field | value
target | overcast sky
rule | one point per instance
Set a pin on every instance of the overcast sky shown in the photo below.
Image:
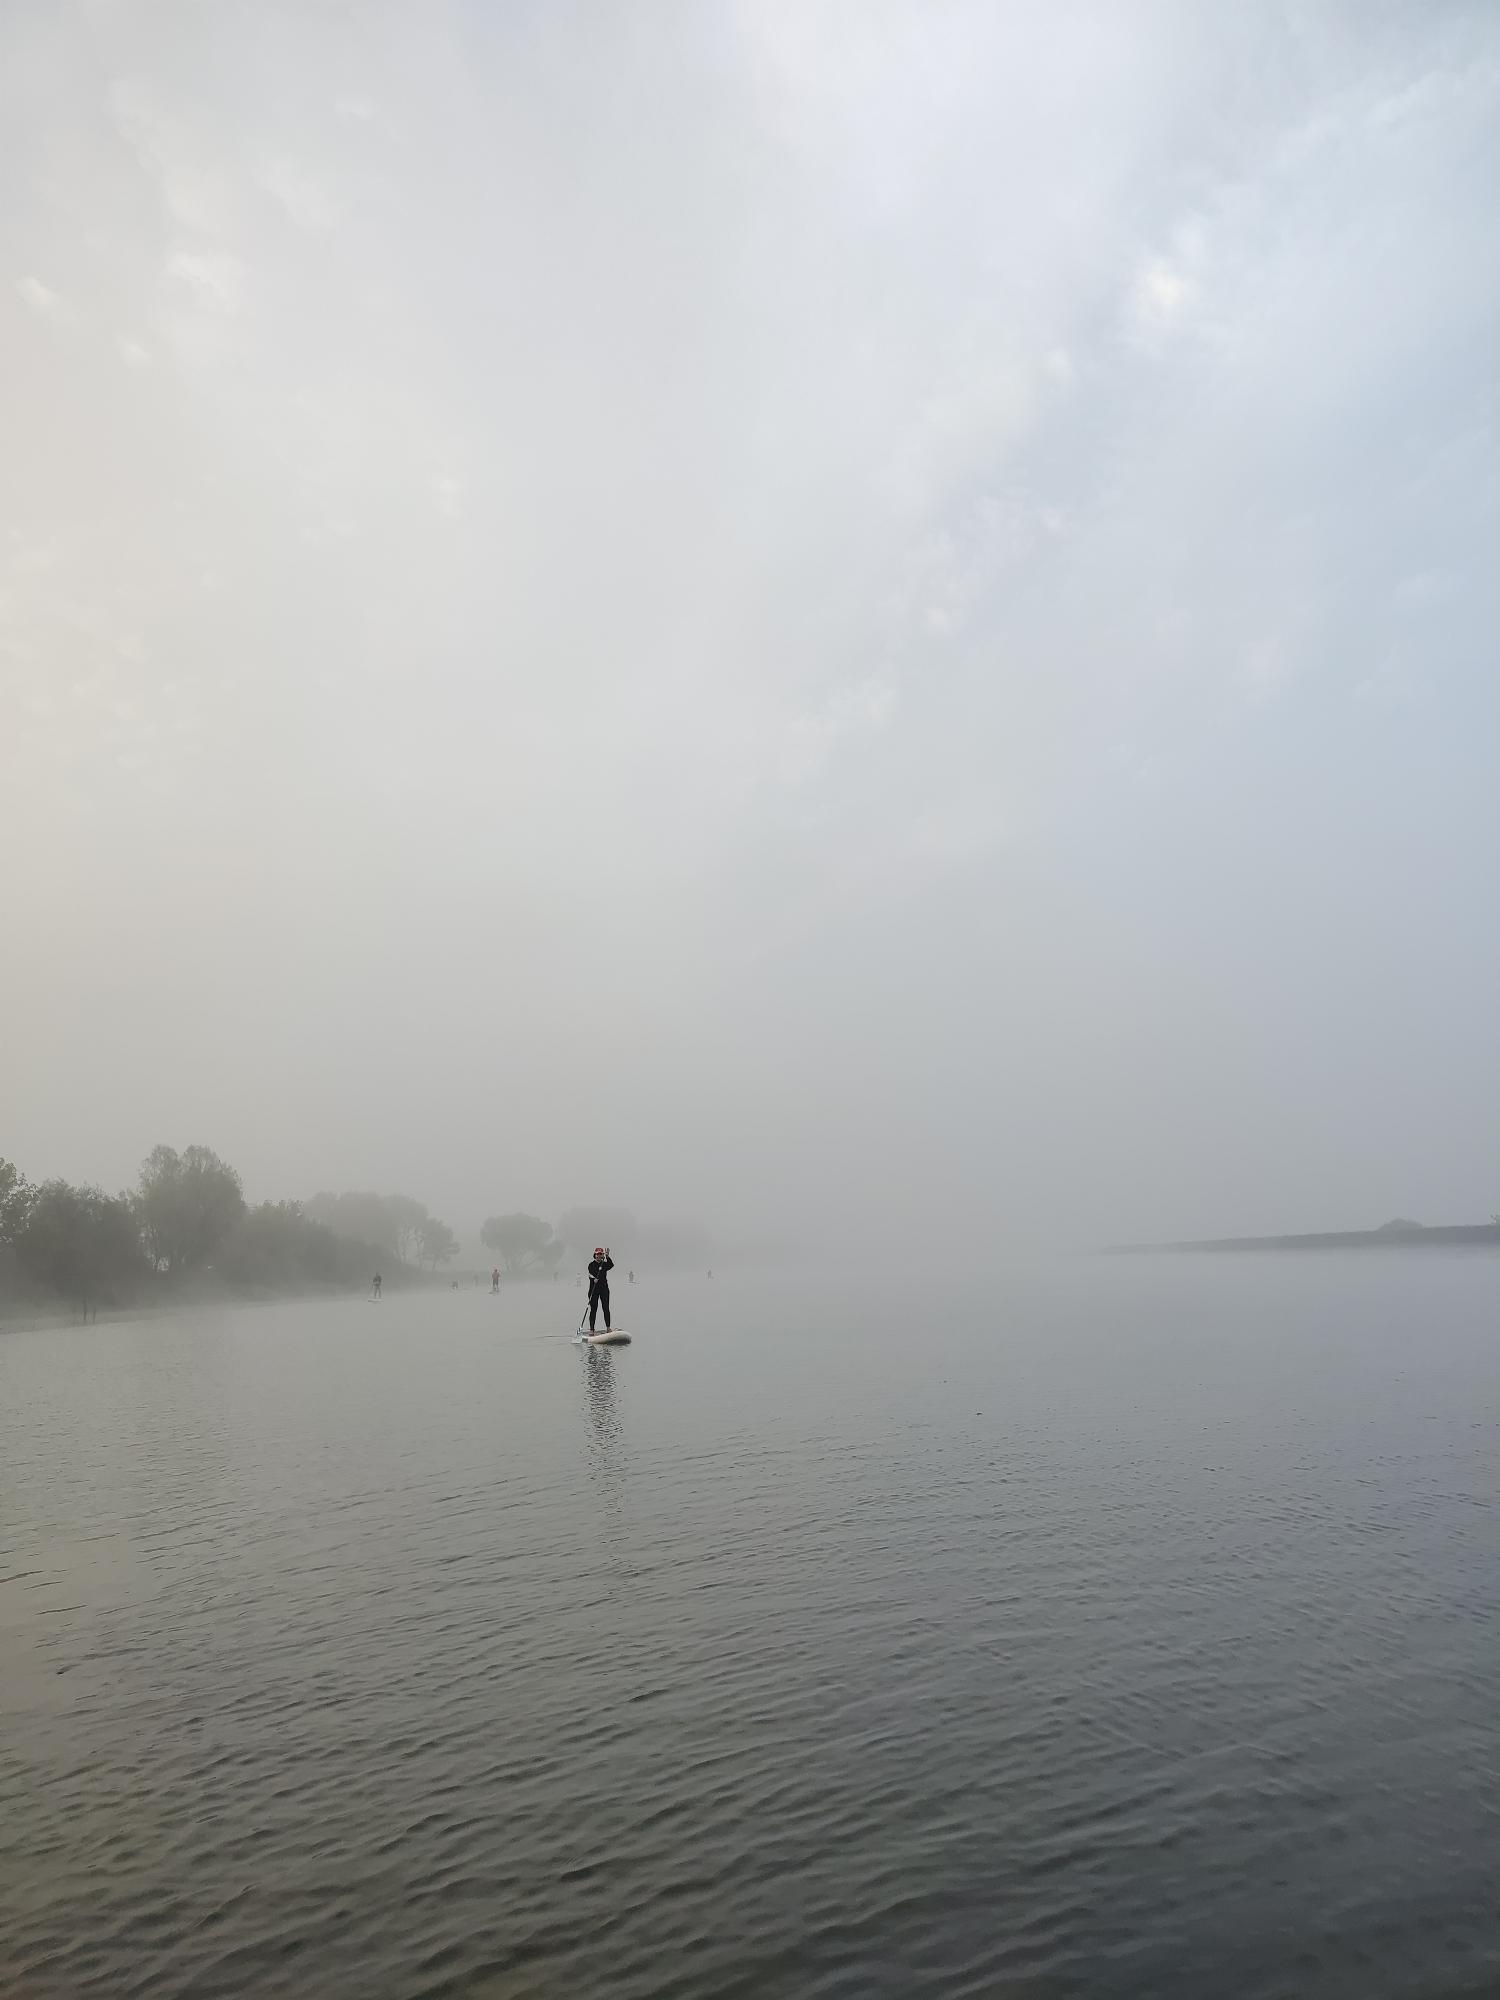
(860, 617)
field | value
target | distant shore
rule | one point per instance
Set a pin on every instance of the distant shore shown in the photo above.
(1393, 1236)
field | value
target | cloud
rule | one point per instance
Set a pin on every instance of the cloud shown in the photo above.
(809, 739)
(1162, 298)
(196, 193)
(309, 199)
(1425, 591)
(41, 298)
(1265, 666)
(448, 493)
(214, 281)
(958, 829)
(788, 449)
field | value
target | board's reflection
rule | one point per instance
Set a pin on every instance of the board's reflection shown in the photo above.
(606, 1430)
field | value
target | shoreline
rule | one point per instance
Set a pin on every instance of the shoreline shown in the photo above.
(1442, 1236)
(33, 1315)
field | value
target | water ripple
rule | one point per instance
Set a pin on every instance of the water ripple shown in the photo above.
(414, 1660)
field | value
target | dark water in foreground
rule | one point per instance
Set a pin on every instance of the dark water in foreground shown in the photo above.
(1142, 1637)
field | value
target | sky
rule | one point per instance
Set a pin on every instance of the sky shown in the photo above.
(865, 622)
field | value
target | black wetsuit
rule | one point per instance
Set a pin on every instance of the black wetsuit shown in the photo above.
(599, 1270)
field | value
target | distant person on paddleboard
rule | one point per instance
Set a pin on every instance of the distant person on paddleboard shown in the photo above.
(376, 1288)
(599, 1269)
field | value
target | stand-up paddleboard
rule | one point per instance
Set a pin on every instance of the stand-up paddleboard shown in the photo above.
(614, 1336)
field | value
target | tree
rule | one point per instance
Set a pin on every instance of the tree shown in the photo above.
(16, 1197)
(277, 1245)
(362, 1216)
(80, 1241)
(390, 1221)
(523, 1242)
(406, 1219)
(186, 1206)
(436, 1242)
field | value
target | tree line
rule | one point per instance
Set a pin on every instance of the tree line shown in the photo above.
(187, 1218)
(393, 1222)
(527, 1247)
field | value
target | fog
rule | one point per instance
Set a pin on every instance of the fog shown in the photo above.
(866, 623)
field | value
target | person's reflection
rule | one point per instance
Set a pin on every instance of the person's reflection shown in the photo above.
(606, 1432)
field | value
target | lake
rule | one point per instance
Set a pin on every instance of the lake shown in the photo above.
(1115, 1626)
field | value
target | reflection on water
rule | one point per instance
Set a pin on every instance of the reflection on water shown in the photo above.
(1136, 1635)
(606, 1432)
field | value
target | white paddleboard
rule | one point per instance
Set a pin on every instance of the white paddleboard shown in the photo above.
(613, 1337)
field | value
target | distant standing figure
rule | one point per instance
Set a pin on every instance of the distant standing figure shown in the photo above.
(375, 1289)
(495, 1279)
(599, 1270)
(632, 1277)
(710, 1274)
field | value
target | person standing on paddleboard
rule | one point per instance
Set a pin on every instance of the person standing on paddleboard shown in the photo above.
(599, 1269)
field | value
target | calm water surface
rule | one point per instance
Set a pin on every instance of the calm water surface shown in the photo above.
(1138, 1633)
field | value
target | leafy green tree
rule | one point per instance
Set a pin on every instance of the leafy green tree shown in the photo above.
(436, 1242)
(351, 1214)
(406, 1219)
(155, 1203)
(277, 1246)
(186, 1205)
(523, 1243)
(16, 1197)
(365, 1217)
(82, 1242)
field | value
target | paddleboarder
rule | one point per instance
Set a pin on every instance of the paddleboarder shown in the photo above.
(600, 1267)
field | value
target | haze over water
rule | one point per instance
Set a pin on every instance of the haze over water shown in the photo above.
(1109, 1627)
(847, 621)
(850, 632)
